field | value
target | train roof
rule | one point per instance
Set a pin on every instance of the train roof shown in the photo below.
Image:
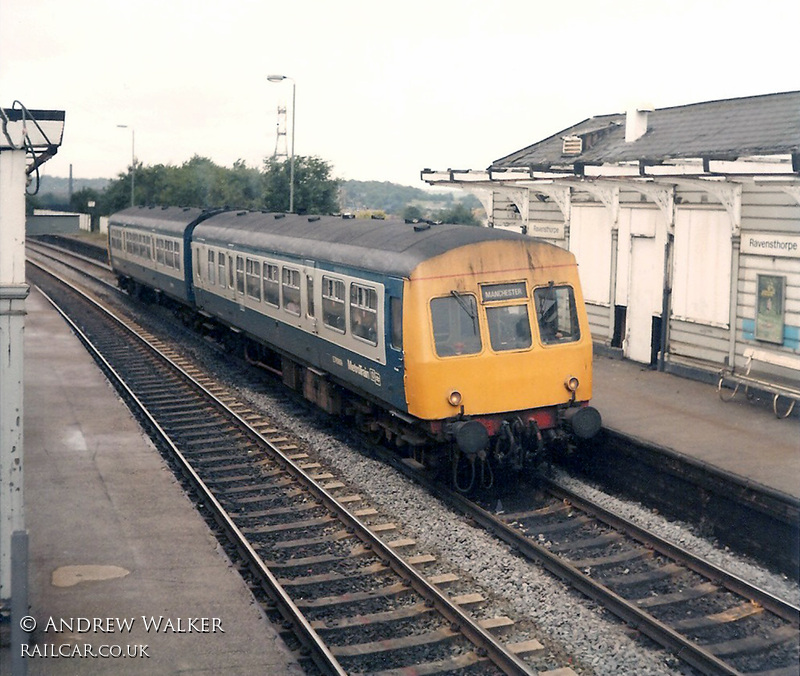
(169, 220)
(388, 246)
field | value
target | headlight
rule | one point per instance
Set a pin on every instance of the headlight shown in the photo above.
(571, 383)
(454, 398)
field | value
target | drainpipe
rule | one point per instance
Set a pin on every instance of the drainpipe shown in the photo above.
(612, 286)
(736, 244)
(666, 301)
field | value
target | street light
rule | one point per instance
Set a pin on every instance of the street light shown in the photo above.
(281, 78)
(133, 160)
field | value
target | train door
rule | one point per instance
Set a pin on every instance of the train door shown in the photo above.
(645, 284)
(238, 280)
(310, 302)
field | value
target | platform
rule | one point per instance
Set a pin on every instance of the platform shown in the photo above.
(120, 560)
(687, 416)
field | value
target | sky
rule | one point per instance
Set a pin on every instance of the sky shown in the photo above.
(382, 89)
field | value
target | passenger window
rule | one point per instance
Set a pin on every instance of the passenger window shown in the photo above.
(230, 272)
(291, 291)
(333, 303)
(556, 314)
(455, 325)
(222, 269)
(309, 296)
(271, 286)
(509, 327)
(364, 313)
(396, 309)
(253, 278)
(240, 274)
(212, 279)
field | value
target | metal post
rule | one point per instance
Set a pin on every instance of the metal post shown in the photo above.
(281, 78)
(133, 162)
(291, 160)
(13, 291)
(19, 601)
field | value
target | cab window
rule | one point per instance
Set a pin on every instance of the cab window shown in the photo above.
(396, 307)
(556, 315)
(509, 327)
(455, 325)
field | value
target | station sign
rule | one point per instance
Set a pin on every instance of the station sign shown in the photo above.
(770, 244)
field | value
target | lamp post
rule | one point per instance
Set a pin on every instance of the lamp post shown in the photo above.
(281, 78)
(133, 160)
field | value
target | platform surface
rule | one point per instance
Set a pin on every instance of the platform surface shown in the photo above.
(114, 541)
(687, 416)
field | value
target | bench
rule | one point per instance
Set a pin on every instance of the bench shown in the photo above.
(786, 388)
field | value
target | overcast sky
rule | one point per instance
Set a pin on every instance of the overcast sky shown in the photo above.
(383, 89)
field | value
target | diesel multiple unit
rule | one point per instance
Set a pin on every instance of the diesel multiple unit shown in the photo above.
(469, 347)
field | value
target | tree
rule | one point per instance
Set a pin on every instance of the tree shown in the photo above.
(80, 200)
(413, 213)
(459, 213)
(315, 192)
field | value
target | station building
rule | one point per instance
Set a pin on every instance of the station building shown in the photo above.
(685, 223)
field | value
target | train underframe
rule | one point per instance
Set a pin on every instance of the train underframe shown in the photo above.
(471, 451)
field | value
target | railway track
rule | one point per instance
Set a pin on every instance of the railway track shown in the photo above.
(336, 573)
(712, 620)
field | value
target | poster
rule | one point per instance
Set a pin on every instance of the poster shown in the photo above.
(770, 308)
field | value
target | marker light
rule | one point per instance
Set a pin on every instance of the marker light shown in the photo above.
(571, 383)
(454, 398)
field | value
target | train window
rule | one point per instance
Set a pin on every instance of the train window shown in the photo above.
(253, 278)
(509, 327)
(212, 268)
(364, 313)
(396, 308)
(159, 250)
(333, 303)
(221, 260)
(455, 325)
(291, 291)
(240, 274)
(309, 296)
(556, 314)
(230, 272)
(271, 287)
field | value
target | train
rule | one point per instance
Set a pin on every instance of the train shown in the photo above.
(466, 348)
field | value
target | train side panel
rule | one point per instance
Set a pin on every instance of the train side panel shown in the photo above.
(148, 248)
(306, 310)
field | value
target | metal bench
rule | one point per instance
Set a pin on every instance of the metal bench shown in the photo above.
(786, 388)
